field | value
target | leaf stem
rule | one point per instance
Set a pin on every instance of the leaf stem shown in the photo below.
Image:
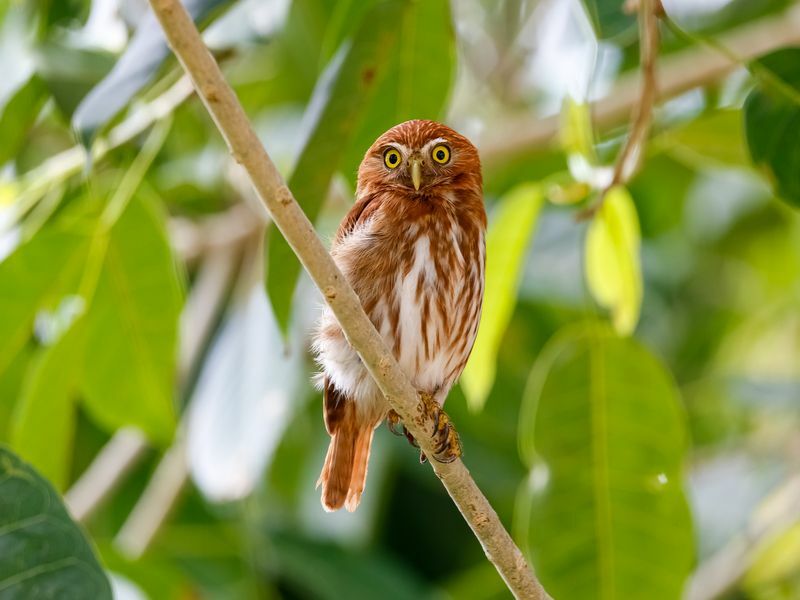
(632, 151)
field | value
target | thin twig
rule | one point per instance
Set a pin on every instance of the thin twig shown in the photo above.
(106, 472)
(156, 502)
(246, 149)
(630, 156)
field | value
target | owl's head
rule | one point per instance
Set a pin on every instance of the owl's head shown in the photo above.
(419, 157)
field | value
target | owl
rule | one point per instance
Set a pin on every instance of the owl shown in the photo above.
(412, 247)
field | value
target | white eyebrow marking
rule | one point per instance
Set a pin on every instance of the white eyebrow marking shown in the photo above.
(438, 140)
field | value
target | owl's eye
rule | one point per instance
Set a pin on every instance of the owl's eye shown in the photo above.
(441, 154)
(391, 158)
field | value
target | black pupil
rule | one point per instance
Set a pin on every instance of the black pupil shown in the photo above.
(440, 154)
(392, 158)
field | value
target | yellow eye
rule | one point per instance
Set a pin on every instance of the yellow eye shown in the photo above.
(441, 154)
(392, 158)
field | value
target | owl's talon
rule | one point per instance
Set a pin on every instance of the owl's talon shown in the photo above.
(410, 437)
(392, 421)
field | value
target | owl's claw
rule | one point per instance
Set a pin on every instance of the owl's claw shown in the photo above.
(447, 446)
(392, 421)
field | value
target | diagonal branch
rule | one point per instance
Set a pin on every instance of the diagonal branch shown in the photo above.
(231, 120)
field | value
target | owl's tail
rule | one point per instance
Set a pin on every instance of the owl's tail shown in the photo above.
(345, 470)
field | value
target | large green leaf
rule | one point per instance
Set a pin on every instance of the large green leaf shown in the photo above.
(43, 553)
(507, 241)
(132, 327)
(608, 17)
(603, 431)
(342, 94)
(44, 422)
(772, 121)
(38, 272)
(419, 78)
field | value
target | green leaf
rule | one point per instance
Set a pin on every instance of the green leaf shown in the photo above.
(43, 553)
(507, 241)
(603, 431)
(18, 116)
(772, 121)
(613, 264)
(342, 94)
(40, 271)
(329, 573)
(608, 18)
(44, 422)
(717, 138)
(132, 327)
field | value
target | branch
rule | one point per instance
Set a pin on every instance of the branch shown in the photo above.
(247, 150)
(678, 73)
(631, 154)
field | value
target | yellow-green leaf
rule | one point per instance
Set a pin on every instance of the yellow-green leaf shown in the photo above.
(576, 129)
(613, 264)
(506, 243)
(777, 559)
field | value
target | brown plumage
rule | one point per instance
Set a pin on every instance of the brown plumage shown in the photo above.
(412, 246)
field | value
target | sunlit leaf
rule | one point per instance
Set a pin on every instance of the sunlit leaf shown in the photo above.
(43, 553)
(39, 271)
(18, 116)
(576, 132)
(132, 327)
(342, 94)
(604, 435)
(507, 240)
(134, 70)
(609, 18)
(613, 264)
(772, 121)
(44, 422)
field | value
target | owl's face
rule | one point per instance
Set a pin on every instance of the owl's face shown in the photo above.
(418, 157)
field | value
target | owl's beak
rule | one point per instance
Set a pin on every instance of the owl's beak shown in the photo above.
(416, 172)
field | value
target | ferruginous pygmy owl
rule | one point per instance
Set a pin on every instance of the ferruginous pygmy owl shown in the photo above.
(413, 249)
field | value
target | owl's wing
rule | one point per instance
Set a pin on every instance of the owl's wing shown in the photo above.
(358, 213)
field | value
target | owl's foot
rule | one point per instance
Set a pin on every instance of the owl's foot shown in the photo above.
(392, 421)
(447, 446)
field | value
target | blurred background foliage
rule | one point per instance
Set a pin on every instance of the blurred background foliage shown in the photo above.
(631, 408)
